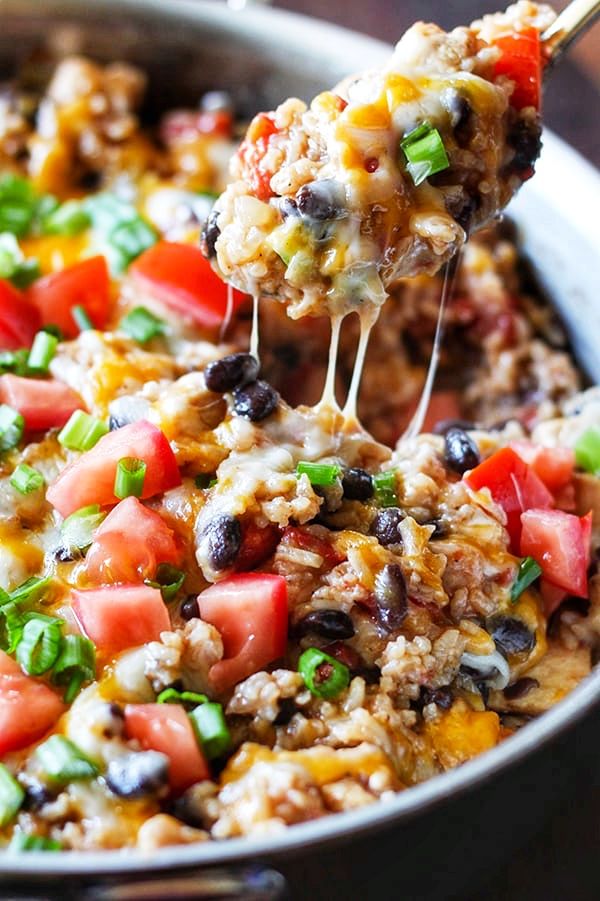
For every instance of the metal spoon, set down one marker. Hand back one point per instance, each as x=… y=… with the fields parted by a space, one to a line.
x=575 y=19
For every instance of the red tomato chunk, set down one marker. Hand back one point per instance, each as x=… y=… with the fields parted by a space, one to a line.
x=28 y=708
x=250 y=611
x=554 y=465
x=560 y=542
x=167 y=728
x=178 y=276
x=521 y=61
x=91 y=478
x=19 y=319
x=121 y=616
x=44 y=404
x=85 y=284
x=513 y=485
x=130 y=544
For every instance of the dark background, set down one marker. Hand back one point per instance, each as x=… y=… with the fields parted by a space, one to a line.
x=561 y=861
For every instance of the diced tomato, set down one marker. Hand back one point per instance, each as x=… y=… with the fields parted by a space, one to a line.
x=28 y=708
x=167 y=728
x=252 y=152
x=554 y=465
x=552 y=596
x=19 y=319
x=91 y=478
x=129 y=545
x=250 y=611
x=302 y=538
x=513 y=485
x=121 y=616
x=44 y=404
x=186 y=125
x=257 y=545
x=181 y=278
x=560 y=542
x=521 y=61
x=85 y=284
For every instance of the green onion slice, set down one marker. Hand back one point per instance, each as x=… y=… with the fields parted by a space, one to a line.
x=172 y=696
x=142 y=325
x=211 y=729
x=130 y=239
x=31 y=590
x=62 y=761
x=324 y=676
x=69 y=218
x=26 y=479
x=169 y=579
x=76 y=664
x=81 y=318
x=528 y=572
x=39 y=645
x=323 y=474
x=78 y=529
x=11 y=626
x=425 y=152
x=17 y=205
x=42 y=351
x=12 y=426
x=129 y=477
x=11 y=796
x=13 y=263
x=82 y=431
x=587 y=450
x=384 y=487
x=21 y=842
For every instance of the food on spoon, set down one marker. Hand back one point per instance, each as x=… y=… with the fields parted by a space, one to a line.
x=384 y=176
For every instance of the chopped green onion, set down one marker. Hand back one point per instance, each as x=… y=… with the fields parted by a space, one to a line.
x=13 y=264
x=62 y=761
x=30 y=590
x=142 y=325
x=78 y=528
x=42 y=351
x=82 y=431
x=169 y=579
x=4 y=597
x=203 y=480
x=11 y=796
x=324 y=676
x=39 y=645
x=106 y=211
x=82 y=319
x=11 y=626
x=14 y=361
x=68 y=219
x=130 y=476
x=384 y=487
x=130 y=239
x=211 y=729
x=172 y=696
x=12 y=426
x=587 y=450
x=17 y=205
x=528 y=572
x=76 y=664
x=27 y=273
x=425 y=152
x=53 y=330
x=22 y=842
x=26 y=479
x=213 y=482
x=323 y=474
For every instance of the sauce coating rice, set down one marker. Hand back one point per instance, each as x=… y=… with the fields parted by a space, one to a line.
x=225 y=610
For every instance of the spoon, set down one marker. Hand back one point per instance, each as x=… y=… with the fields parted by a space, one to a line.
x=573 y=21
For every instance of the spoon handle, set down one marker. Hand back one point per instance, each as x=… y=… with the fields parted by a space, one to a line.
x=576 y=18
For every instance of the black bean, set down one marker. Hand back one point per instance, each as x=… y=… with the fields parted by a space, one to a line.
x=520 y=688
x=385 y=526
x=230 y=372
x=189 y=608
x=511 y=634
x=391 y=597
x=210 y=234
x=460 y=111
x=287 y=207
x=37 y=794
x=441 y=697
x=287 y=709
x=357 y=484
x=138 y=774
x=63 y=555
x=223 y=537
x=440 y=529
x=371 y=674
x=444 y=425
x=321 y=199
x=525 y=138
x=460 y=451
x=255 y=401
x=333 y=624
x=115 y=721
